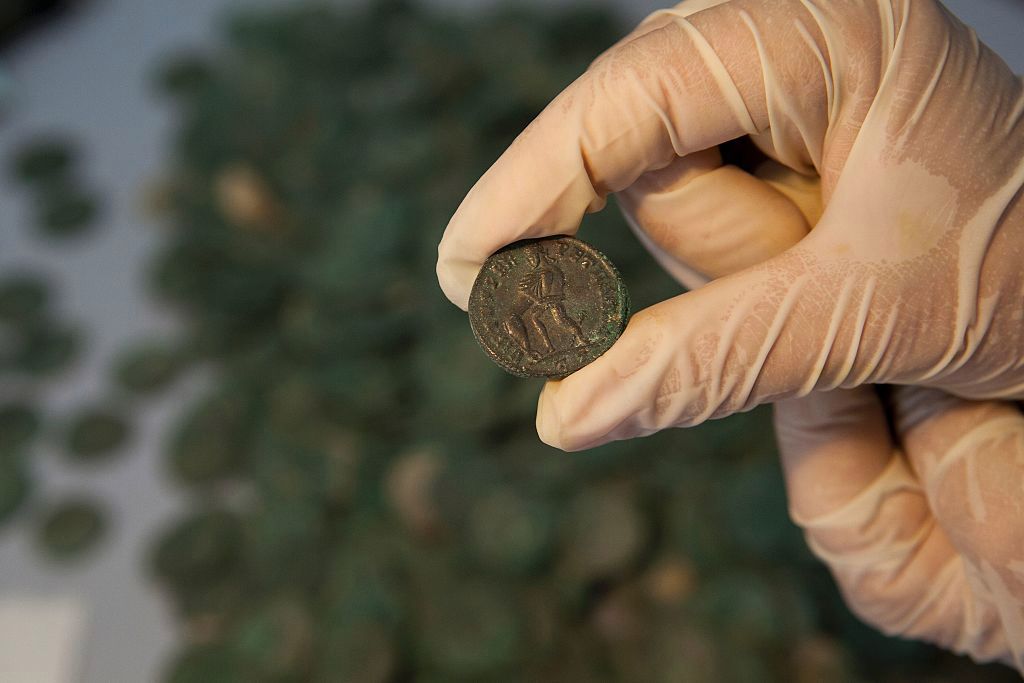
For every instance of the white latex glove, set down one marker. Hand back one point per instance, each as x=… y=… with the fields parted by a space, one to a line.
x=922 y=530
x=901 y=140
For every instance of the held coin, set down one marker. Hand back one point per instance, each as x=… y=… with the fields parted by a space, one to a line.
x=547 y=307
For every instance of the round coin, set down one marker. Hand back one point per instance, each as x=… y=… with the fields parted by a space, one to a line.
x=43 y=159
x=547 y=307
x=71 y=529
x=95 y=434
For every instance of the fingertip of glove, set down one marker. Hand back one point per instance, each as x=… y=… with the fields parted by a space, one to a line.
x=559 y=431
x=456 y=279
x=549 y=427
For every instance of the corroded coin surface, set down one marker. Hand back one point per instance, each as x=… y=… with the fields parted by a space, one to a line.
x=547 y=307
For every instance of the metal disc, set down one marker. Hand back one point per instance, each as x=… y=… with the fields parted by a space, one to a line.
x=547 y=307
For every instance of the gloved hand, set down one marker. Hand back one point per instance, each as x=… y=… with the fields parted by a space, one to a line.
x=924 y=529
x=900 y=138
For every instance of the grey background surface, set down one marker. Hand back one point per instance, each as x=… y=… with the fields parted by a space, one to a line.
x=87 y=76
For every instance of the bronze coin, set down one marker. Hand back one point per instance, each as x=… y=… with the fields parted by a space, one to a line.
x=547 y=307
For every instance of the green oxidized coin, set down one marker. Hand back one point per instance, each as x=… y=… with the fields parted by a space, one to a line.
x=203 y=663
x=71 y=529
x=45 y=348
x=148 y=366
x=23 y=296
x=43 y=159
x=357 y=650
x=604 y=532
x=67 y=211
x=547 y=307
x=275 y=640
x=510 y=533
x=211 y=441
x=19 y=423
x=96 y=433
x=470 y=631
x=15 y=486
x=185 y=74
x=199 y=549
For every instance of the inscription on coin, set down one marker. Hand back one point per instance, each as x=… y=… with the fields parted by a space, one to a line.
x=547 y=307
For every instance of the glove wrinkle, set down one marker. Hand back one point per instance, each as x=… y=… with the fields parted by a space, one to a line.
x=728 y=88
x=861 y=511
x=1010 y=609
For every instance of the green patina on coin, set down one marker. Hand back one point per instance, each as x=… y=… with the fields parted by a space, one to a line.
x=200 y=550
x=67 y=211
x=509 y=532
x=547 y=307
x=19 y=423
x=44 y=347
x=69 y=530
x=43 y=159
x=23 y=296
x=148 y=366
x=203 y=663
x=95 y=434
x=185 y=75
x=15 y=486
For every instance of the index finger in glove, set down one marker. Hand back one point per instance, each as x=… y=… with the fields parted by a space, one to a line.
x=685 y=86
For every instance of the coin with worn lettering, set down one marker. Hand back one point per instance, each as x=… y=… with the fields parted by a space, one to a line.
x=547 y=307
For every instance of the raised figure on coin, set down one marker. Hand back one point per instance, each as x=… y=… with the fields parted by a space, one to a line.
x=548 y=307
x=538 y=321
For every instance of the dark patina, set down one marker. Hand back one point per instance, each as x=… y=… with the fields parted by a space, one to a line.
x=547 y=307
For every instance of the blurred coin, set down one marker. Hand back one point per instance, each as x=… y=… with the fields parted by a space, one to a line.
x=365 y=577
x=678 y=651
x=211 y=441
x=670 y=580
x=184 y=75
x=43 y=159
x=357 y=652
x=245 y=199
x=603 y=534
x=547 y=307
x=15 y=485
x=343 y=457
x=754 y=508
x=620 y=616
x=743 y=608
x=23 y=296
x=95 y=434
x=71 y=529
x=468 y=630
x=67 y=212
x=274 y=639
x=409 y=486
x=510 y=533
x=286 y=542
x=199 y=549
x=821 y=658
x=45 y=348
x=148 y=366
x=19 y=423
x=212 y=663
x=207 y=607
x=545 y=622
